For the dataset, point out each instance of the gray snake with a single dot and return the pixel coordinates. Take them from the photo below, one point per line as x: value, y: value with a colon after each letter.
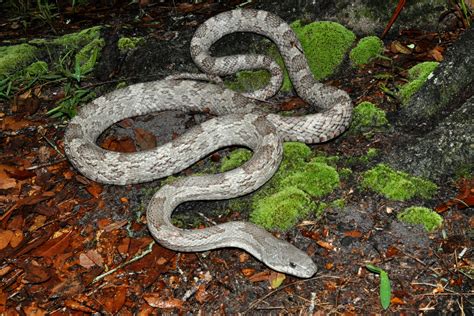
x: 240, y: 121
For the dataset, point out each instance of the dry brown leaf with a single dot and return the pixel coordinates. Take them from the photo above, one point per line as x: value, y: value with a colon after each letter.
x: 397, y: 47
x: 201, y: 295
x: 156, y: 300
x: 6, y: 181
x: 85, y: 261
x: 325, y: 245
x: 144, y: 139
x: 261, y: 276
x: 353, y: 233
x: 3, y: 301
x: 5, y: 237
x: 74, y: 305
x: 34, y: 273
x: 54, y: 246
x: 248, y: 272
x: 17, y: 238
x: 95, y: 189
x: 34, y: 310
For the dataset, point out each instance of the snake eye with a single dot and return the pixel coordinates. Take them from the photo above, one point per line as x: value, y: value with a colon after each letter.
x: 292, y: 265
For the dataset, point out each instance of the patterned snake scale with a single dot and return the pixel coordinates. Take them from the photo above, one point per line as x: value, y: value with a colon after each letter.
x: 240, y: 121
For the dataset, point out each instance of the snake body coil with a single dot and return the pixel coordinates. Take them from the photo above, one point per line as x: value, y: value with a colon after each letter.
x: 239, y: 121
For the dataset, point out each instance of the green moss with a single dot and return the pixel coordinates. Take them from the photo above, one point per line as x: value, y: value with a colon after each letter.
x: 36, y: 69
x: 316, y: 179
x: 88, y: 55
x: 367, y: 49
x: 235, y: 159
x: 125, y: 44
x: 421, y: 216
x: 324, y: 44
x: 345, y: 173
x: 78, y: 39
x: 247, y: 81
x: 281, y: 210
x: 339, y: 203
x: 14, y: 57
x: 323, y: 158
x: 417, y: 75
x: 367, y: 117
x: 397, y: 185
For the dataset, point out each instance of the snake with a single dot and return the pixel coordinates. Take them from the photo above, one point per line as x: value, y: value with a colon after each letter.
x: 239, y: 119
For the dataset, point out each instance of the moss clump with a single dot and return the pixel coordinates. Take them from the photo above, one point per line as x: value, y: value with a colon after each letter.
x: 367, y: 49
x: 125, y: 44
x: 417, y: 75
x: 14, y: 57
x: 235, y: 159
x: 421, y: 216
x: 88, y: 55
x: 316, y: 179
x: 324, y: 44
x: 247, y: 81
x: 36, y: 69
x: 281, y: 210
x: 78, y: 39
x: 397, y: 185
x: 367, y: 117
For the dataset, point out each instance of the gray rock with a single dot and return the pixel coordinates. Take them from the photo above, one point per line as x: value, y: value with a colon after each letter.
x: 444, y: 151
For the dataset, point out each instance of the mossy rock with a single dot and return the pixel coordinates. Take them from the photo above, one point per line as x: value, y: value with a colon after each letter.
x: 367, y: 117
x: 417, y: 75
x: 396, y: 185
x: 421, y: 216
x: 325, y: 45
x: 87, y: 57
x: 15, y: 57
x: 281, y: 210
x: 366, y: 50
x: 78, y: 39
x: 316, y: 179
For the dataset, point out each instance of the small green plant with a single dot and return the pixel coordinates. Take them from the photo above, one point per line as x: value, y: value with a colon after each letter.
x: 45, y: 12
x: 418, y: 215
x: 385, y: 288
x: 75, y: 95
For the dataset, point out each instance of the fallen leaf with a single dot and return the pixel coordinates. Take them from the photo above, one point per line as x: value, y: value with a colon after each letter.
x: 201, y: 295
x: 95, y: 189
x: 17, y: 238
x: 276, y: 279
x: 329, y: 265
x: 261, y: 276
x: 353, y: 233
x: 35, y: 273
x: 437, y: 53
x: 34, y: 310
x: 74, y: 305
x: 85, y: 261
x: 248, y: 272
x: 397, y: 47
x: 144, y: 139
x: 5, y: 237
x: 391, y: 251
x: 156, y: 300
x: 54, y: 246
x: 325, y: 245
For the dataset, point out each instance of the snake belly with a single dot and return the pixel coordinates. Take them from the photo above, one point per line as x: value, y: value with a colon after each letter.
x: 238, y: 122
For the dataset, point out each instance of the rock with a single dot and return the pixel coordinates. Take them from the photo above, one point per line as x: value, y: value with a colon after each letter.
x: 449, y: 86
x: 446, y: 151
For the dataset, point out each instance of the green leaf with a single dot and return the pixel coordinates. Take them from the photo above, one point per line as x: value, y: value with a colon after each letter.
x: 373, y: 269
x: 385, y: 290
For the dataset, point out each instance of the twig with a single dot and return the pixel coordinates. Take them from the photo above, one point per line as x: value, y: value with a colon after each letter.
x: 46, y: 164
x: 284, y: 287
x: 137, y: 257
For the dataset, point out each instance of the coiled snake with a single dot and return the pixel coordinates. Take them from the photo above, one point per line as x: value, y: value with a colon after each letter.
x: 239, y: 121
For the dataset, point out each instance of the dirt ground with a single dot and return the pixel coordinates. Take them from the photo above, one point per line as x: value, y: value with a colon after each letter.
x: 69, y: 245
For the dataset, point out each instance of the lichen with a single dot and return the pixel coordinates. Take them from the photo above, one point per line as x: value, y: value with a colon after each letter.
x: 125, y: 44
x: 418, y: 215
x: 281, y: 210
x: 417, y: 75
x: 366, y: 50
x: 367, y: 117
x: 397, y: 185
x: 14, y: 57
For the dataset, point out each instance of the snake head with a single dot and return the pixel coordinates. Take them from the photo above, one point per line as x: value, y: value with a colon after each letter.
x: 288, y: 259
